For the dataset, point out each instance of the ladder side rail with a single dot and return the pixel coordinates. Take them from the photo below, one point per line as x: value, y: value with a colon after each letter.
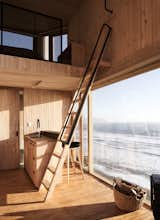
x: 87, y: 90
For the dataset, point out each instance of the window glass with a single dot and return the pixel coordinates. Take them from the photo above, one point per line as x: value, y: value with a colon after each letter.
x: 126, y: 133
x: 17, y: 40
x: 57, y: 46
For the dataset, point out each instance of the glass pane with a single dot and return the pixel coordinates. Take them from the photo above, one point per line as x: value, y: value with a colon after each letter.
x: 17, y: 40
x: 56, y: 48
x: 64, y: 41
x: 126, y: 133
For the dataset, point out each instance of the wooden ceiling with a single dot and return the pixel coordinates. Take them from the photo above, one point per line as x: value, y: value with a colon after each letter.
x: 64, y: 9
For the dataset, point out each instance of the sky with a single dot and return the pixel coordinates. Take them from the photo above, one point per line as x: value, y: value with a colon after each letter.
x: 133, y: 100
x: 18, y: 40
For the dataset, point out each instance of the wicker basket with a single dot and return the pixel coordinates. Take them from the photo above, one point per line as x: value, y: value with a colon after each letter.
x: 128, y: 197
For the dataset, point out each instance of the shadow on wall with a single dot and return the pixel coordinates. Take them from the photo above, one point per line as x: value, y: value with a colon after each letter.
x: 9, y: 114
x: 88, y: 212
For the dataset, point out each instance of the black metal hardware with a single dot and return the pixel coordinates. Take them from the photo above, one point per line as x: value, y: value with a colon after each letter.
x: 107, y: 9
x: 155, y: 195
x: 38, y: 123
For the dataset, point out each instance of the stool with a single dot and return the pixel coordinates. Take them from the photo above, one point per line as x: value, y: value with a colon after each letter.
x: 74, y: 154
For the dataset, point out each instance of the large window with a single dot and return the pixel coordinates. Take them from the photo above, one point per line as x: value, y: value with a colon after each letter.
x: 126, y: 129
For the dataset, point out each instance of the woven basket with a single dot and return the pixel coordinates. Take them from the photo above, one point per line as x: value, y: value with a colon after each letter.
x: 127, y: 200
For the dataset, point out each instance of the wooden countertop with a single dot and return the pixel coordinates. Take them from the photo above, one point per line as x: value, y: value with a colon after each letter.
x: 40, y: 140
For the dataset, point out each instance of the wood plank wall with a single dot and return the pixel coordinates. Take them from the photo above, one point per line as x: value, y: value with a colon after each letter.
x: 85, y: 25
x: 135, y: 26
x: 135, y: 37
x: 49, y: 106
x: 9, y: 113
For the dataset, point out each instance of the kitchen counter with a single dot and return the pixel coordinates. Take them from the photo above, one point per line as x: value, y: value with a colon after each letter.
x: 40, y: 140
x: 37, y: 153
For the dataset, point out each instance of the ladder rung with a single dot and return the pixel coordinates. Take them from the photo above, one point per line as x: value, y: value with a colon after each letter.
x: 62, y: 141
x: 76, y: 101
x: 56, y: 155
x: 51, y: 169
x: 46, y: 184
x: 88, y: 76
x: 65, y: 134
x: 83, y: 89
x: 73, y: 113
x: 67, y: 127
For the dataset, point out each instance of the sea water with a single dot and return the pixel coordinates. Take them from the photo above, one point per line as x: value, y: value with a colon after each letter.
x: 128, y: 151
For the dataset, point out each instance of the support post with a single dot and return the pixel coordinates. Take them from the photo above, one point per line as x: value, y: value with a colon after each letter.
x: 21, y: 124
x: 68, y: 163
x: 81, y: 139
x: 51, y: 48
x: 90, y: 135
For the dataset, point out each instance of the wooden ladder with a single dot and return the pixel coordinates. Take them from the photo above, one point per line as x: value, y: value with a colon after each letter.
x: 61, y: 149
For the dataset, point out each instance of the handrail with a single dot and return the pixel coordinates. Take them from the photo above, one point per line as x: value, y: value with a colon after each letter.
x: 77, y: 93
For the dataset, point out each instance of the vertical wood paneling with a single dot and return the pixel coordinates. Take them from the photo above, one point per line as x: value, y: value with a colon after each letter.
x: 49, y: 106
x: 9, y: 117
x: 135, y: 27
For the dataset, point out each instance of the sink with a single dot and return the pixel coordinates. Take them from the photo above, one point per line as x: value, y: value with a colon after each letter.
x: 49, y: 134
x: 35, y: 135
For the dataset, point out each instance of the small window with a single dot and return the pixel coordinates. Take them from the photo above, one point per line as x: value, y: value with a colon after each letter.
x: 64, y: 41
x: 11, y: 39
x: 57, y: 45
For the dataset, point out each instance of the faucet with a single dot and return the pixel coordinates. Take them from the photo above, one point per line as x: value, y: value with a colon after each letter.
x: 38, y: 127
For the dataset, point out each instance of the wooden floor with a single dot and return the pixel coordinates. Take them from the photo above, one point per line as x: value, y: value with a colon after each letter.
x: 81, y: 199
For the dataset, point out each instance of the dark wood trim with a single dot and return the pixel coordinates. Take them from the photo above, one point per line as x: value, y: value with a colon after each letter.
x: 50, y: 48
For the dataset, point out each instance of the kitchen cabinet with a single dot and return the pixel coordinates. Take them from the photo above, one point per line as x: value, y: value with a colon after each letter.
x: 37, y: 153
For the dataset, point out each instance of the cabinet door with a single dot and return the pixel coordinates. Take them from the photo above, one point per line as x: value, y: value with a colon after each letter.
x: 9, y: 118
x: 43, y: 154
x: 29, y: 159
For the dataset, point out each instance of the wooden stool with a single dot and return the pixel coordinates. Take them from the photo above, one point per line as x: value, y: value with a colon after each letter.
x: 74, y: 155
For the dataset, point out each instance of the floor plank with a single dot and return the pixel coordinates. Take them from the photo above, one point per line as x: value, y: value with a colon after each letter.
x: 81, y: 199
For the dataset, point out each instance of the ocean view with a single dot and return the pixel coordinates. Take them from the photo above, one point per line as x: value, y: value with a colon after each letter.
x: 127, y: 150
